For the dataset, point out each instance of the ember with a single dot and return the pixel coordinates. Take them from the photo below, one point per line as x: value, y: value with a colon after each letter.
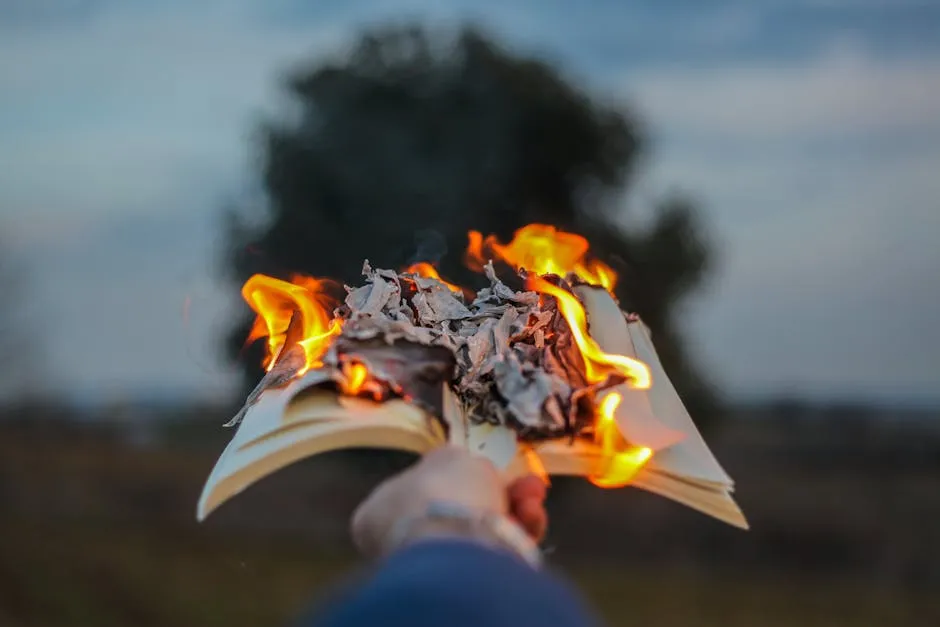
x: 356, y: 375
x: 426, y: 270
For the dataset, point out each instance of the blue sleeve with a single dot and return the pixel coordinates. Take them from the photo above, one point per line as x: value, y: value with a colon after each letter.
x: 458, y: 584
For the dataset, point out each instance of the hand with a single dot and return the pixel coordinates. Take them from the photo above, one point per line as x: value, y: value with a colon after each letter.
x: 453, y: 475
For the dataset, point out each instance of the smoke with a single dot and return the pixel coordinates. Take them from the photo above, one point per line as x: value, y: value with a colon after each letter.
x: 430, y: 245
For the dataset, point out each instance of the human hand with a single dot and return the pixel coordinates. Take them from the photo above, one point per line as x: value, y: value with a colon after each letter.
x: 454, y: 476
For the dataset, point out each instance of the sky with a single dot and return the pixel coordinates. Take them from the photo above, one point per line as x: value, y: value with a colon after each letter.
x: 809, y: 131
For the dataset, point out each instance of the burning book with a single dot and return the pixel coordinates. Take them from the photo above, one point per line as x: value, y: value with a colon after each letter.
x: 540, y: 371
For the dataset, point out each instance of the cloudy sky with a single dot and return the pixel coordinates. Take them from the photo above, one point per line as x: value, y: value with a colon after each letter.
x: 809, y: 129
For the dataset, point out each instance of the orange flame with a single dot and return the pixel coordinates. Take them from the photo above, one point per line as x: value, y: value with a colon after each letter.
x: 276, y: 301
x: 423, y: 268
x: 624, y: 461
x: 597, y: 364
x: 473, y: 257
x: 355, y: 374
x: 541, y: 249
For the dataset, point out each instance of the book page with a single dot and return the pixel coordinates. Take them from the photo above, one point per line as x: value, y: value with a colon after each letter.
x: 319, y: 421
x: 691, y: 457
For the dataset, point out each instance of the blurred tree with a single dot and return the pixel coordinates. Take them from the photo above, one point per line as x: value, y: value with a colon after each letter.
x: 410, y: 141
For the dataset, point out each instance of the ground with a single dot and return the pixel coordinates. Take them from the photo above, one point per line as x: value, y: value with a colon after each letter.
x: 98, y: 529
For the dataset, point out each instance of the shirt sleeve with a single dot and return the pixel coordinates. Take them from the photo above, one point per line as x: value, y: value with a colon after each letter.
x: 455, y: 583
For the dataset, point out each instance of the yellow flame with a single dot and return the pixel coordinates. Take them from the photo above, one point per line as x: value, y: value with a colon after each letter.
x: 623, y: 462
x: 541, y: 249
x: 276, y: 301
x: 597, y: 363
x: 355, y: 374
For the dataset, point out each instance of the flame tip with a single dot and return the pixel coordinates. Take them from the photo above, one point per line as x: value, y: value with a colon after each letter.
x: 543, y: 248
x: 277, y: 303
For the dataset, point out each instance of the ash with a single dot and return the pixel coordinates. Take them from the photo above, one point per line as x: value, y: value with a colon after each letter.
x: 509, y: 355
x: 510, y: 358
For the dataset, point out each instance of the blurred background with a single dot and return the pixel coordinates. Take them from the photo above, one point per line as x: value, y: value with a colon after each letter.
x: 763, y: 176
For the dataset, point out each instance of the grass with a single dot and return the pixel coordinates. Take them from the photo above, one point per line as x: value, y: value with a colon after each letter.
x: 94, y: 532
x: 65, y: 575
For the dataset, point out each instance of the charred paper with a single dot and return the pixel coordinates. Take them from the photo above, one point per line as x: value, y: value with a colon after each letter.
x: 508, y: 354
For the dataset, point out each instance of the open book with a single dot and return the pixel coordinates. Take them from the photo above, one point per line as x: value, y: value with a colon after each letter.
x: 309, y: 416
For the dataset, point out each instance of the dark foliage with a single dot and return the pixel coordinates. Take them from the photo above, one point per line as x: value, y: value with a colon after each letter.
x: 411, y: 140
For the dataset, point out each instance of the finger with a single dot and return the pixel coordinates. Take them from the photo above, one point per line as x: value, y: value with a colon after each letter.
x: 526, y: 504
x: 530, y: 514
x: 527, y: 487
x: 360, y: 526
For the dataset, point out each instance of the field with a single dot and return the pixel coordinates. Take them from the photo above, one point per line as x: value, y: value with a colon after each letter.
x: 97, y: 529
x: 112, y: 576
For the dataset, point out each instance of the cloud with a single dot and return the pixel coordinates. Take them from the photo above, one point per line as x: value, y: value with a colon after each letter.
x: 133, y: 306
x: 820, y: 179
x: 112, y: 108
x: 125, y: 124
x: 124, y: 107
x: 844, y: 90
x: 131, y: 109
x: 862, y: 5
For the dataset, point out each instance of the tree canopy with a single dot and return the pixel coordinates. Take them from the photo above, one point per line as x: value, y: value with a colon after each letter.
x: 402, y: 146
